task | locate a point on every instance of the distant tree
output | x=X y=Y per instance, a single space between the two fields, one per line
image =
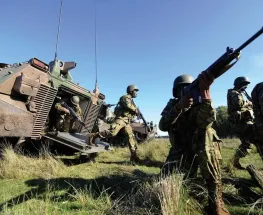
x=223 y=126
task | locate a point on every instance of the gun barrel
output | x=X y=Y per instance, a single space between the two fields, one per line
x=256 y=35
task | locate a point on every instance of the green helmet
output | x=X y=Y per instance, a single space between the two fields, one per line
x=181 y=80
x=131 y=88
x=241 y=81
x=75 y=100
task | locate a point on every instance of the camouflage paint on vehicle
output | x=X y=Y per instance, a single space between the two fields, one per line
x=27 y=94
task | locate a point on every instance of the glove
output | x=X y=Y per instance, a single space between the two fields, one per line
x=205 y=81
x=183 y=103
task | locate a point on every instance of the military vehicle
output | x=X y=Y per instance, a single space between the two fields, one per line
x=28 y=93
x=143 y=131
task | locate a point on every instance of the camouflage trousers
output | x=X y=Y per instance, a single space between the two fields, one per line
x=121 y=125
x=179 y=158
x=245 y=133
x=64 y=123
x=258 y=134
x=204 y=152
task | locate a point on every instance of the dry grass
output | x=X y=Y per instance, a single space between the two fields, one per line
x=173 y=197
x=17 y=166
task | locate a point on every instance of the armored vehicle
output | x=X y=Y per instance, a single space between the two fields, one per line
x=142 y=131
x=28 y=93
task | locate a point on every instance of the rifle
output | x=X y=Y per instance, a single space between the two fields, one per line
x=110 y=105
x=219 y=67
x=248 y=97
x=140 y=115
x=72 y=112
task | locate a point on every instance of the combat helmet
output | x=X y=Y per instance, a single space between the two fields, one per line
x=75 y=100
x=241 y=81
x=131 y=88
x=181 y=80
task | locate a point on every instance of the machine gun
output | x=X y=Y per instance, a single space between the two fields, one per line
x=140 y=115
x=219 y=67
x=72 y=112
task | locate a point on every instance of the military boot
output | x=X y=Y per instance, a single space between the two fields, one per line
x=220 y=205
x=216 y=203
x=92 y=138
x=134 y=157
x=235 y=161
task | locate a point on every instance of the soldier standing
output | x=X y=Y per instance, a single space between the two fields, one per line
x=257 y=100
x=64 y=121
x=124 y=112
x=240 y=114
x=192 y=136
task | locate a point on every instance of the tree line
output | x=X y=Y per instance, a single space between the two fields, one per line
x=222 y=125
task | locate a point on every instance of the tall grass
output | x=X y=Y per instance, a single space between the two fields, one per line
x=15 y=166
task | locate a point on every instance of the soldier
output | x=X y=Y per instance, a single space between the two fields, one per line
x=124 y=112
x=179 y=133
x=193 y=139
x=257 y=100
x=64 y=122
x=240 y=114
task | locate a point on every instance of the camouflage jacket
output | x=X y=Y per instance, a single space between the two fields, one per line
x=187 y=123
x=125 y=108
x=238 y=108
x=60 y=109
x=257 y=100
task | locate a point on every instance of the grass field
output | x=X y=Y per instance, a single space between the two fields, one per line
x=112 y=185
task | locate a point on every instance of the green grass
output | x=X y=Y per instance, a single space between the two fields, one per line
x=112 y=185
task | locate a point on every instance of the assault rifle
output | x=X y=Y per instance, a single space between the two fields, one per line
x=72 y=112
x=219 y=67
x=140 y=115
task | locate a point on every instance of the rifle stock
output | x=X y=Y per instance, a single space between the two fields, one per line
x=219 y=67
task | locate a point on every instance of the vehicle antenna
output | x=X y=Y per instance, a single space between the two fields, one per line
x=96 y=90
x=56 y=53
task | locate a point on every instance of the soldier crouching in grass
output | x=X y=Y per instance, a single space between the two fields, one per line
x=194 y=141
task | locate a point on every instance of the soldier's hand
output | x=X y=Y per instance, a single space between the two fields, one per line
x=184 y=103
x=205 y=80
x=67 y=111
x=137 y=112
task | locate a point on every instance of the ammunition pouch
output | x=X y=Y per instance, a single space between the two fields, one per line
x=26 y=86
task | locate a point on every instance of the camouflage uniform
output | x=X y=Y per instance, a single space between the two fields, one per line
x=124 y=112
x=195 y=143
x=257 y=100
x=241 y=116
x=64 y=121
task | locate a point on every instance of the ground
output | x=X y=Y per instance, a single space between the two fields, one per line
x=112 y=185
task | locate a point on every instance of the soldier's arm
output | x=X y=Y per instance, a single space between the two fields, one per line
x=127 y=103
x=206 y=115
x=168 y=115
x=59 y=107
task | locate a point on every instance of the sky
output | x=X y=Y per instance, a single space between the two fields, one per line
x=143 y=42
